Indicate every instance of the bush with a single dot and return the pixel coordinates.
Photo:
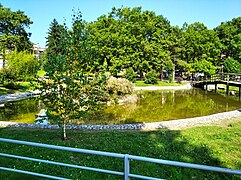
(151, 78)
(12, 85)
(130, 75)
(6, 75)
(119, 86)
(231, 66)
(23, 65)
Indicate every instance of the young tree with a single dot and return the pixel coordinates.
(73, 88)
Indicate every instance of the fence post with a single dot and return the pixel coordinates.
(126, 167)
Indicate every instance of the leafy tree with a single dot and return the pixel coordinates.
(226, 32)
(12, 31)
(231, 66)
(200, 44)
(130, 38)
(236, 47)
(204, 66)
(73, 88)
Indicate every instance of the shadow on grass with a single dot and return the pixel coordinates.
(163, 144)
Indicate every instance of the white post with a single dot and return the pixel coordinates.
(126, 167)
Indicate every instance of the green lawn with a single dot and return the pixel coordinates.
(160, 83)
(23, 86)
(209, 145)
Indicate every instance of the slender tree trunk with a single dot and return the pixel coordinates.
(64, 130)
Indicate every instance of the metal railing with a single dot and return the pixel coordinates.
(126, 158)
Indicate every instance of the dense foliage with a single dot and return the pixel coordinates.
(22, 66)
(130, 75)
(151, 77)
(231, 66)
(141, 40)
(12, 31)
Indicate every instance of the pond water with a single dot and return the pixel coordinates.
(152, 106)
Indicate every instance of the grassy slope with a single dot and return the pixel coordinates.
(24, 86)
(210, 145)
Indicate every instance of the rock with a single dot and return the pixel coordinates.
(232, 93)
(129, 99)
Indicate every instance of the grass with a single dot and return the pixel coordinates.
(209, 145)
(160, 83)
(23, 86)
(41, 72)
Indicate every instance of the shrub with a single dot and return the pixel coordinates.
(231, 66)
(130, 75)
(151, 78)
(23, 65)
(6, 75)
(12, 85)
(119, 86)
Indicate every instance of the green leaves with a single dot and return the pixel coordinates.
(73, 88)
(231, 66)
(12, 30)
(130, 38)
(22, 65)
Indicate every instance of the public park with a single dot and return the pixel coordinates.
(127, 94)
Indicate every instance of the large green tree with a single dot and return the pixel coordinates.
(131, 38)
(200, 44)
(13, 34)
(227, 31)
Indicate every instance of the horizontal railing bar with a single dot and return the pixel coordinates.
(32, 173)
(63, 148)
(63, 164)
(186, 165)
(143, 177)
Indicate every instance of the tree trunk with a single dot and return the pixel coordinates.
(64, 131)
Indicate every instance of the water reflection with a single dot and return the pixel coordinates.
(20, 111)
(151, 106)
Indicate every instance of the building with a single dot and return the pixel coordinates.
(38, 51)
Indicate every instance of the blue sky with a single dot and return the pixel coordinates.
(42, 12)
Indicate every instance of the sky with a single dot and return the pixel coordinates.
(42, 12)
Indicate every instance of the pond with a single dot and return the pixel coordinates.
(152, 106)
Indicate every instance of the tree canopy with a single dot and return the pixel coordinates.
(12, 30)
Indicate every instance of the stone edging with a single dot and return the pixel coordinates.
(172, 124)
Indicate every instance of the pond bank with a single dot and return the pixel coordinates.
(17, 96)
(24, 95)
(172, 124)
(153, 88)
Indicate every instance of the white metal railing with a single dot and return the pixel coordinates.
(126, 174)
